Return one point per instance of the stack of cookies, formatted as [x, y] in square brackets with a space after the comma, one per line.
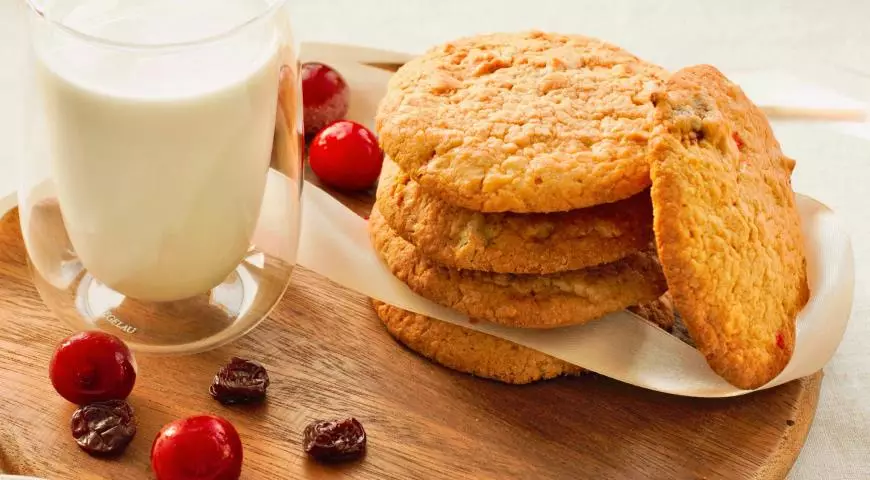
[517, 192]
[528, 171]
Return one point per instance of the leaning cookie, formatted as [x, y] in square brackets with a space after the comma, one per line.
[484, 355]
[531, 301]
[522, 122]
[727, 228]
[508, 242]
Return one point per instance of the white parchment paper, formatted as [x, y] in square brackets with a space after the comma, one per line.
[334, 243]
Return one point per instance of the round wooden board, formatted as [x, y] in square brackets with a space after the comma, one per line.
[329, 356]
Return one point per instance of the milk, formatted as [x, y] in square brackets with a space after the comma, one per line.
[159, 157]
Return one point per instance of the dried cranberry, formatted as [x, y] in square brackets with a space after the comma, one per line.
[92, 366]
[325, 96]
[738, 140]
[345, 155]
[203, 447]
[240, 381]
[104, 428]
[334, 441]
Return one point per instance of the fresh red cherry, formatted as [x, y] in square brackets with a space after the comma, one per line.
[92, 367]
[203, 447]
[346, 155]
[325, 96]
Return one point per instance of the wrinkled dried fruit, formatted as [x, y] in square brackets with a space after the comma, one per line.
[104, 428]
[334, 441]
[241, 381]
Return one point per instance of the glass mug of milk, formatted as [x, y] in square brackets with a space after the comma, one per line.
[160, 189]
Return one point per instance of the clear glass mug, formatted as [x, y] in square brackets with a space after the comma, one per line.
[159, 194]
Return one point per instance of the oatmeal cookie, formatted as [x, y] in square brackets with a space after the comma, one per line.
[537, 243]
[484, 355]
[470, 351]
[727, 229]
[531, 301]
[522, 122]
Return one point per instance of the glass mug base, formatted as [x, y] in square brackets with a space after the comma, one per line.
[209, 320]
[157, 185]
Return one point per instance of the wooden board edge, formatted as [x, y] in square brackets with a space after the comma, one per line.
[794, 437]
[10, 463]
[8, 202]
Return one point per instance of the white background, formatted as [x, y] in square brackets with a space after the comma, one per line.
[826, 42]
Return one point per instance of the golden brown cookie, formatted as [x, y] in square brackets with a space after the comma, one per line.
[512, 242]
[531, 301]
[727, 229]
[487, 356]
[470, 351]
[522, 122]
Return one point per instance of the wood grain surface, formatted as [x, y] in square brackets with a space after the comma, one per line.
[329, 356]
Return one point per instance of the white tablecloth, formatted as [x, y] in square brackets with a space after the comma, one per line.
[825, 42]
